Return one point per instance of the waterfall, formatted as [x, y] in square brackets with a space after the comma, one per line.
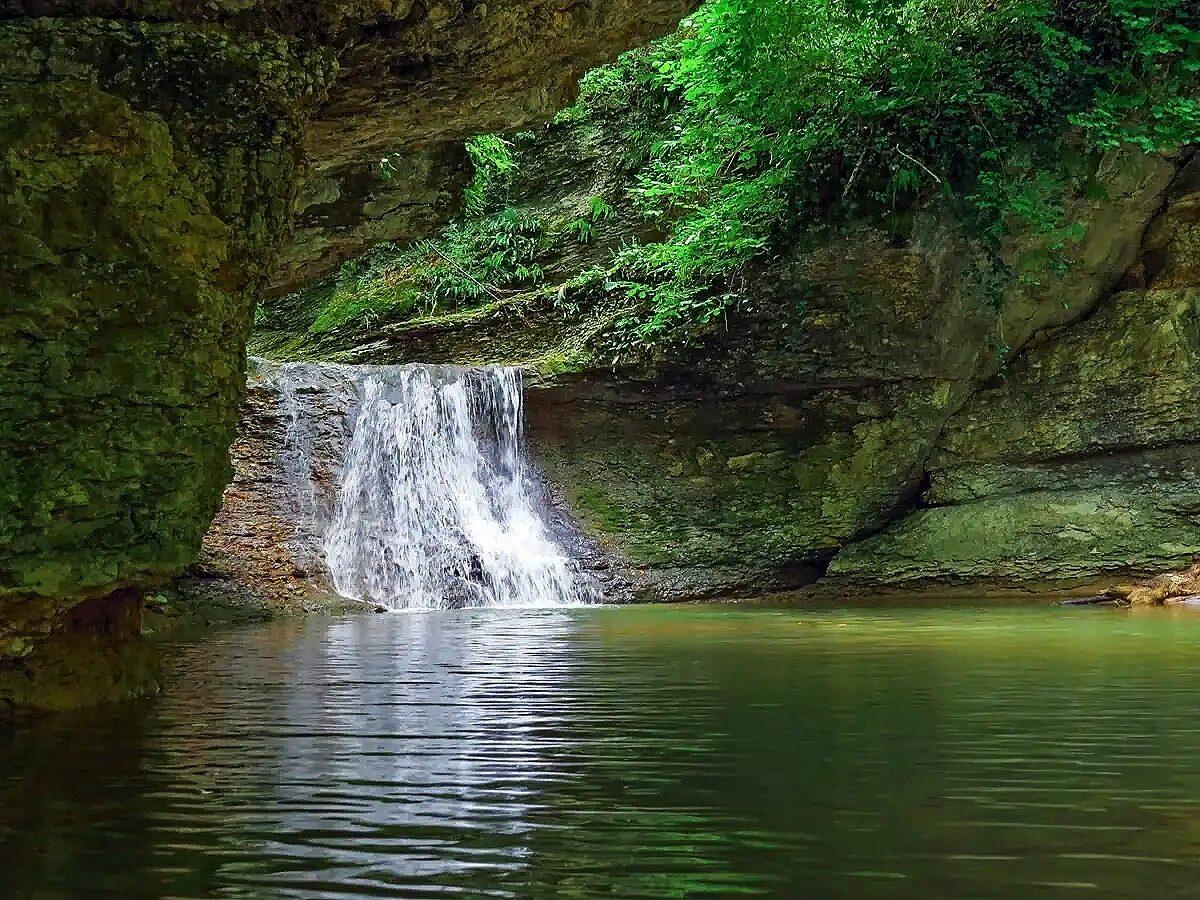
[297, 452]
[434, 504]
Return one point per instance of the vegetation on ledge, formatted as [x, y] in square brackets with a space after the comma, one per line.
[759, 122]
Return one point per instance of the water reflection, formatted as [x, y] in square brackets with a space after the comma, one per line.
[632, 753]
[395, 751]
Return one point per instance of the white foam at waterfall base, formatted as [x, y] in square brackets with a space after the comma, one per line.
[436, 509]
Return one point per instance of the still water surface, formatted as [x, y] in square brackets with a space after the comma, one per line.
[654, 752]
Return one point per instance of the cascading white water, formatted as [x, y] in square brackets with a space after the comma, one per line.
[297, 452]
[435, 507]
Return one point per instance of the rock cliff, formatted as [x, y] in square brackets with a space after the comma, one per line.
[873, 410]
[1081, 459]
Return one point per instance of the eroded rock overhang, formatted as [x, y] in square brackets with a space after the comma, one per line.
[412, 80]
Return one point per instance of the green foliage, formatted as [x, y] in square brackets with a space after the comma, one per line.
[467, 263]
[762, 119]
[1148, 96]
[583, 229]
[492, 157]
[801, 113]
[470, 262]
[362, 293]
[599, 209]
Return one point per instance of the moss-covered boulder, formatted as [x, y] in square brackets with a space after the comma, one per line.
[1082, 460]
[146, 175]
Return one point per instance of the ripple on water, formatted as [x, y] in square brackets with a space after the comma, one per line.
[896, 752]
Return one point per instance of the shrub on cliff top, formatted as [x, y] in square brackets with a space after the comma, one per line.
[794, 113]
[764, 118]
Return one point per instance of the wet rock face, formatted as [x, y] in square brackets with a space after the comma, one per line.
[693, 490]
[153, 156]
[1083, 457]
[267, 539]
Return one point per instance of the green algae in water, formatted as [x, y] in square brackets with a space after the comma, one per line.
[633, 752]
